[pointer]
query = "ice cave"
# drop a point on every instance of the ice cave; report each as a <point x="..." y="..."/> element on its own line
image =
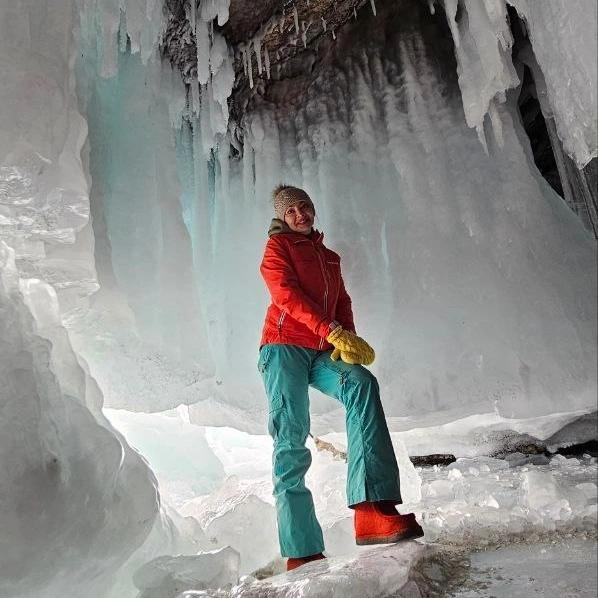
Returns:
<point x="450" y="150"/>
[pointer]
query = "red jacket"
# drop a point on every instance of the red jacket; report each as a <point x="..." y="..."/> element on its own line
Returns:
<point x="306" y="287"/>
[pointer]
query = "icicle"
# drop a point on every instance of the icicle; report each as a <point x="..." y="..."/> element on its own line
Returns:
<point x="244" y="58"/>
<point x="258" y="52"/>
<point x="432" y="7"/>
<point x="354" y="13"/>
<point x="304" y="34"/>
<point x="249" y="68"/>
<point x="373" y="5"/>
<point x="122" y="33"/>
<point x="496" y="123"/>
<point x="207" y="135"/>
<point x="223" y="11"/>
<point x="202" y="39"/>
<point x="296" y="19"/>
<point x="450" y="9"/>
<point x="267" y="62"/>
<point x="482" y="137"/>
<point x="195" y="97"/>
<point x="333" y="34"/>
<point x="193" y="15"/>
<point x="323" y="24"/>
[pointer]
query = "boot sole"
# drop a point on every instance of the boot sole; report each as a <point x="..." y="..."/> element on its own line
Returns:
<point x="411" y="534"/>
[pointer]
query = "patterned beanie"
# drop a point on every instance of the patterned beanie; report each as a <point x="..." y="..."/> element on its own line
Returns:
<point x="286" y="196"/>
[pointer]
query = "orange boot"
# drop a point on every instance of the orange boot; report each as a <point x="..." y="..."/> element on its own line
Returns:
<point x="379" y="523"/>
<point x="293" y="563"/>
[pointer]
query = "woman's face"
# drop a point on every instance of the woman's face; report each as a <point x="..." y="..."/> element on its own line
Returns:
<point x="300" y="217"/>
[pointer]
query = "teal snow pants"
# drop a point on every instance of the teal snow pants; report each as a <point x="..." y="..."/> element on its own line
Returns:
<point x="373" y="473"/>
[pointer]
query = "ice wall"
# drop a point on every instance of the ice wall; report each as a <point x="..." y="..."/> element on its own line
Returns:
<point x="44" y="201"/>
<point x="76" y="500"/>
<point x="469" y="275"/>
<point x="471" y="278"/>
<point x="151" y="208"/>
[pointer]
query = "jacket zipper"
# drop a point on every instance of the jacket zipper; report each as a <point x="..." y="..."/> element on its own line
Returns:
<point x="280" y="320"/>
<point x="325" y="290"/>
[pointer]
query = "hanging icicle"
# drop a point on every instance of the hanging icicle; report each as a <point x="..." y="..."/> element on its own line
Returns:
<point x="296" y="19"/>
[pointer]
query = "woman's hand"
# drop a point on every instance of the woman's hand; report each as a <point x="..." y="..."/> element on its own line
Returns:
<point x="350" y="347"/>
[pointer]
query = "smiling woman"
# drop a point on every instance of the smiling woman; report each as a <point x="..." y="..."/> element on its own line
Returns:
<point x="294" y="207"/>
<point x="300" y="218"/>
<point x="309" y="326"/>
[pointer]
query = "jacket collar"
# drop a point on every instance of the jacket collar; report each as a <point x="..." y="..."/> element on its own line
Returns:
<point x="279" y="227"/>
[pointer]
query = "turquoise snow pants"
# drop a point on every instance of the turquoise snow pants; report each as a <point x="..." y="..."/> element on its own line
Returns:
<point x="373" y="474"/>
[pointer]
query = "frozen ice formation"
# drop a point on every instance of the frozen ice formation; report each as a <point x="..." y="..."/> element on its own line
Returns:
<point x="564" y="40"/>
<point x="474" y="282"/>
<point x="399" y="570"/>
<point x="442" y="246"/>
<point x="563" y="36"/>
<point x="64" y="466"/>
<point x="169" y="577"/>
<point x="483" y="44"/>
<point x="237" y="515"/>
<point x="44" y="192"/>
<point x="180" y="456"/>
<point x="476" y="501"/>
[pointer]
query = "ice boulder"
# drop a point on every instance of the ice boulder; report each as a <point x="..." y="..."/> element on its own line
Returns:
<point x="407" y="569"/>
<point x="236" y="516"/>
<point x="170" y="576"/>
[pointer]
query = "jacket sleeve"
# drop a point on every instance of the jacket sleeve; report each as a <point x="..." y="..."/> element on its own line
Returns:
<point x="344" y="310"/>
<point x="286" y="293"/>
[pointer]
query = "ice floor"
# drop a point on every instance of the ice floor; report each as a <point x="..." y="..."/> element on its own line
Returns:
<point x="561" y="569"/>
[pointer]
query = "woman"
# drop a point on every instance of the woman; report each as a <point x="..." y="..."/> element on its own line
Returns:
<point x="308" y="327"/>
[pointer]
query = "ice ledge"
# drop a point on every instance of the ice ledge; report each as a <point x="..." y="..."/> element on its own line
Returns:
<point x="409" y="569"/>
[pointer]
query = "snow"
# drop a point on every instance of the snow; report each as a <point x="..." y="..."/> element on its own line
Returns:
<point x="476" y="501"/>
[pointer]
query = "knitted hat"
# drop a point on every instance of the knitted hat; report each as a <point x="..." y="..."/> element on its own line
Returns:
<point x="286" y="196"/>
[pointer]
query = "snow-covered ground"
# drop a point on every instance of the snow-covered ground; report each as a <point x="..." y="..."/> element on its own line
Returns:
<point x="476" y="503"/>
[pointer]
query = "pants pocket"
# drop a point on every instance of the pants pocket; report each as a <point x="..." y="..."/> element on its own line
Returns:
<point x="275" y="414"/>
<point x="264" y="358"/>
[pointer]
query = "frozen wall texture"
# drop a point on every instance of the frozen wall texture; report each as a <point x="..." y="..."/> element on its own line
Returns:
<point x="469" y="275"/>
<point x="75" y="500"/>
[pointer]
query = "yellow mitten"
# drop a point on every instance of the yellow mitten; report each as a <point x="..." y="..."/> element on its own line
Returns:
<point x="344" y="356"/>
<point x="350" y="347"/>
